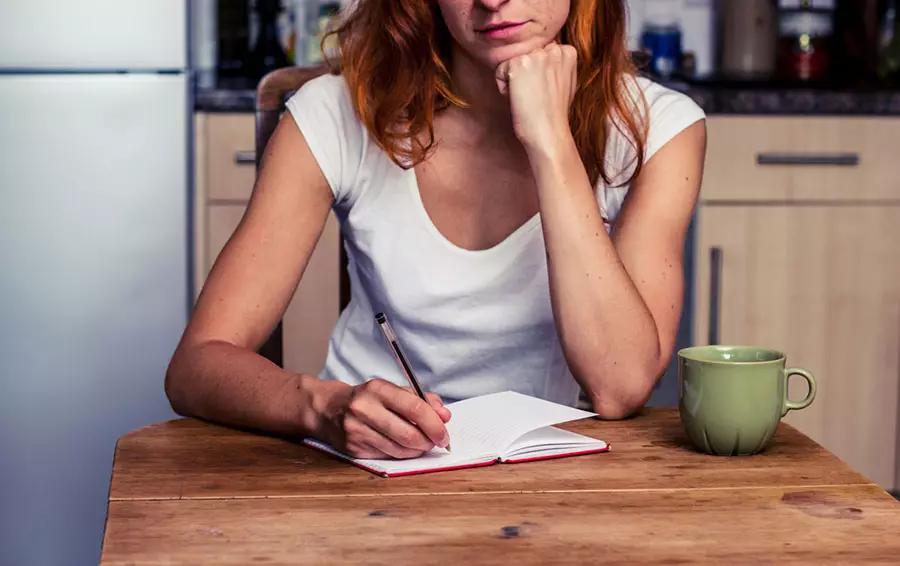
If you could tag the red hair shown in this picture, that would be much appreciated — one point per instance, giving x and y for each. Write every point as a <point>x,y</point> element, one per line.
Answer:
<point>395,58</point>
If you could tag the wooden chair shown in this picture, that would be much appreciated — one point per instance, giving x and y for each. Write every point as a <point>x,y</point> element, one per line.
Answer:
<point>271,94</point>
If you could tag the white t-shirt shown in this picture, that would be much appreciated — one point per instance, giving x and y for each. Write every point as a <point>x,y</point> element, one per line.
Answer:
<point>470,322</point>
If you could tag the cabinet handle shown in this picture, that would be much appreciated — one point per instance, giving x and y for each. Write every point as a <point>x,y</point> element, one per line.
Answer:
<point>715,287</point>
<point>245,157</point>
<point>835,159</point>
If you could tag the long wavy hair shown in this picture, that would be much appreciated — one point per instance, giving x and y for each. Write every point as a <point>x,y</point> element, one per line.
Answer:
<point>395,59</point>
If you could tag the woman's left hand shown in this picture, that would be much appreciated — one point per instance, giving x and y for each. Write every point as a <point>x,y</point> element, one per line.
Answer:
<point>540,86</point>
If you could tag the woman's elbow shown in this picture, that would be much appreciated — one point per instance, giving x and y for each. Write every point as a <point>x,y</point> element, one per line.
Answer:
<point>176,384</point>
<point>625,398</point>
<point>614,409</point>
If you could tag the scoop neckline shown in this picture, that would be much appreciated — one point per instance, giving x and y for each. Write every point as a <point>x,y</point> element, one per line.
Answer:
<point>518,234</point>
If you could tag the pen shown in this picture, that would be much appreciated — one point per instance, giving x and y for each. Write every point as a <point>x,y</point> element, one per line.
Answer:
<point>392,341</point>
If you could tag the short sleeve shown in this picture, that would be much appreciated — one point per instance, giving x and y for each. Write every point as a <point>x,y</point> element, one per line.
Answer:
<point>670,112</point>
<point>323,112</point>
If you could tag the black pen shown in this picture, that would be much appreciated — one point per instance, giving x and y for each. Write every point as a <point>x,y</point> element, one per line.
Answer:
<point>392,341</point>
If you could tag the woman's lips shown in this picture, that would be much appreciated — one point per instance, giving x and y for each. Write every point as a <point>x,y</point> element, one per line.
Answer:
<point>502,30</point>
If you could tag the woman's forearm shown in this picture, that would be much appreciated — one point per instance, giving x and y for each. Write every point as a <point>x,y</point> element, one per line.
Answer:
<point>223,383</point>
<point>608,334</point>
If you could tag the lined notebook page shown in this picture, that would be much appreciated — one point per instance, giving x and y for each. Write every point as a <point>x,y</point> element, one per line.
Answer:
<point>550,439</point>
<point>491,423</point>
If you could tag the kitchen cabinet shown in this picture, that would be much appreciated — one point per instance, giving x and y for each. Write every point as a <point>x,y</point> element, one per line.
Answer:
<point>231,157</point>
<point>815,275</point>
<point>224,172</point>
<point>802,159</point>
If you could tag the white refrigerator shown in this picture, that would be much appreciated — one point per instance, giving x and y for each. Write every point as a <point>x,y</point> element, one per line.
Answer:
<point>94,254</point>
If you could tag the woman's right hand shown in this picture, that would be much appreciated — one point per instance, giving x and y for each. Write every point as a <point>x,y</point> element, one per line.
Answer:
<point>375,420</point>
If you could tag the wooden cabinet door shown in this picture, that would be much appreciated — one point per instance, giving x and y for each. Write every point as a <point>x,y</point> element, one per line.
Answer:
<point>802,159</point>
<point>822,284</point>
<point>314,310</point>
<point>231,156</point>
<point>222,220</point>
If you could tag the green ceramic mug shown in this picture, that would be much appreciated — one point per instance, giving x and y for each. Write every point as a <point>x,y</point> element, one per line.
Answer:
<point>731,398</point>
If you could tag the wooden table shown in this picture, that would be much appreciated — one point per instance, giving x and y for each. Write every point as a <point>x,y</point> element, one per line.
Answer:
<point>187,492</point>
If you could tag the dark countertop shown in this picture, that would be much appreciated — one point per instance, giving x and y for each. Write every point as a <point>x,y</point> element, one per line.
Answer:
<point>224,100</point>
<point>714,96</point>
<point>774,98</point>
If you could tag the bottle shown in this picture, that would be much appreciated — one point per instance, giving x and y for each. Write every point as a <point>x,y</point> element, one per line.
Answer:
<point>302,11</point>
<point>329,13</point>
<point>889,44</point>
<point>749,38</point>
<point>204,43</point>
<point>233,28</point>
<point>661,38</point>
<point>267,54</point>
<point>806,31</point>
<point>287,32</point>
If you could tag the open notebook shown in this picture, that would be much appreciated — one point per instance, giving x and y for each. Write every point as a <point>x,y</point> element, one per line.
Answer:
<point>501,427</point>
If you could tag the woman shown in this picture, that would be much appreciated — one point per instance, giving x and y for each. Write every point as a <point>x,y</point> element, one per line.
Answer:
<point>512,197</point>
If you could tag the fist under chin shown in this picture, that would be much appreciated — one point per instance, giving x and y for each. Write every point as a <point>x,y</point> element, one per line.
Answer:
<point>496,56</point>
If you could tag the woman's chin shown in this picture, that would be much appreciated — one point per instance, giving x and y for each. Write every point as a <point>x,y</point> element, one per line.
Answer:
<point>496,55</point>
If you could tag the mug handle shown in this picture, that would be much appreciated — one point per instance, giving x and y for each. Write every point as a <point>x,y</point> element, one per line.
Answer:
<point>796,405</point>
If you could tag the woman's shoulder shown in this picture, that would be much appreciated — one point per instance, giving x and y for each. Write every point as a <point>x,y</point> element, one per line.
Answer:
<point>323,111</point>
<point>657,94</point>
<point>664,111</point>
<point>327,89</point>
<point>328,82</point>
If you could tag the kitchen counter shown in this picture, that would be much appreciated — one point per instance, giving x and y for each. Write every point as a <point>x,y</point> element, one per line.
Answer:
<point>714,97</point>
<point>224,100</point>
<point>780,99</point>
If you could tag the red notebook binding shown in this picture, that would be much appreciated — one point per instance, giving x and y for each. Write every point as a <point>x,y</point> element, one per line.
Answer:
<point>505,427</point>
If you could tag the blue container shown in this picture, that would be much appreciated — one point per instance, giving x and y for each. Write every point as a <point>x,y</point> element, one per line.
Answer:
<point>663,42</point>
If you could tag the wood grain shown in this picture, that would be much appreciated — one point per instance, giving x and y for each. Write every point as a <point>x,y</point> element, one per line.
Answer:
<point>191,459</point>
<point>732,172</point>
<point>849,525</point>
<point>819,283</point>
